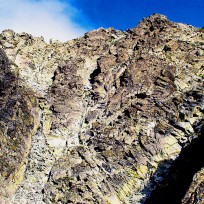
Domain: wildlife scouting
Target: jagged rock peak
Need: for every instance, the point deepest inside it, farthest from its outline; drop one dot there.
(102, 118)
(155, 18)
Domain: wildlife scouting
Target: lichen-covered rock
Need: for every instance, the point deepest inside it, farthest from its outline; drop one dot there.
(19, 119)
(195, 193)
(109, 108)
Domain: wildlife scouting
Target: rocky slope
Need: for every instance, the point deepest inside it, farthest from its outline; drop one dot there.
(195, 192)
(103, 118)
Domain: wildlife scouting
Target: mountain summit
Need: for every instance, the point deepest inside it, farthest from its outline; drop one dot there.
(111, 117)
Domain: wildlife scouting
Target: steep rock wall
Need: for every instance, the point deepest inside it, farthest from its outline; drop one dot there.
(106, 112)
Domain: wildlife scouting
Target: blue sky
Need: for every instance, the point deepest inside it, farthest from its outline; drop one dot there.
(67, 19)
(123, 14)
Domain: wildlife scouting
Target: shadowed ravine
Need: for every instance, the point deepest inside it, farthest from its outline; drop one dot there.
(173, 188)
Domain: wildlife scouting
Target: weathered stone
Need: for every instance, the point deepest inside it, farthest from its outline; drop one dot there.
(100, 115)
(195, 194)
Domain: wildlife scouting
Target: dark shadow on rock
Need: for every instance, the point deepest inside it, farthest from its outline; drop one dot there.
(17, 124)
(156, 179)
(176, 182)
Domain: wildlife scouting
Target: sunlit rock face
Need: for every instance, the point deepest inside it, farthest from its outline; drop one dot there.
(99, 119)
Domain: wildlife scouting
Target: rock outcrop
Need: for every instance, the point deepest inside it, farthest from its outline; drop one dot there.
(102, 118)
(195, 193)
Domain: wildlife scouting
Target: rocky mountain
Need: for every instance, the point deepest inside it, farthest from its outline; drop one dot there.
(112, 117)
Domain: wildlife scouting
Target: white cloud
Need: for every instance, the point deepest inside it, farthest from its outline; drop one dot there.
(47, 18)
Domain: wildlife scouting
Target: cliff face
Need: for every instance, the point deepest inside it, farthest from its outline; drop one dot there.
(195, 193)
(102, 118)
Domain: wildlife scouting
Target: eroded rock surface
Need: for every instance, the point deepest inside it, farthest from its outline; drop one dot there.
(19, 119)
(195, 193)
(98, 115)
